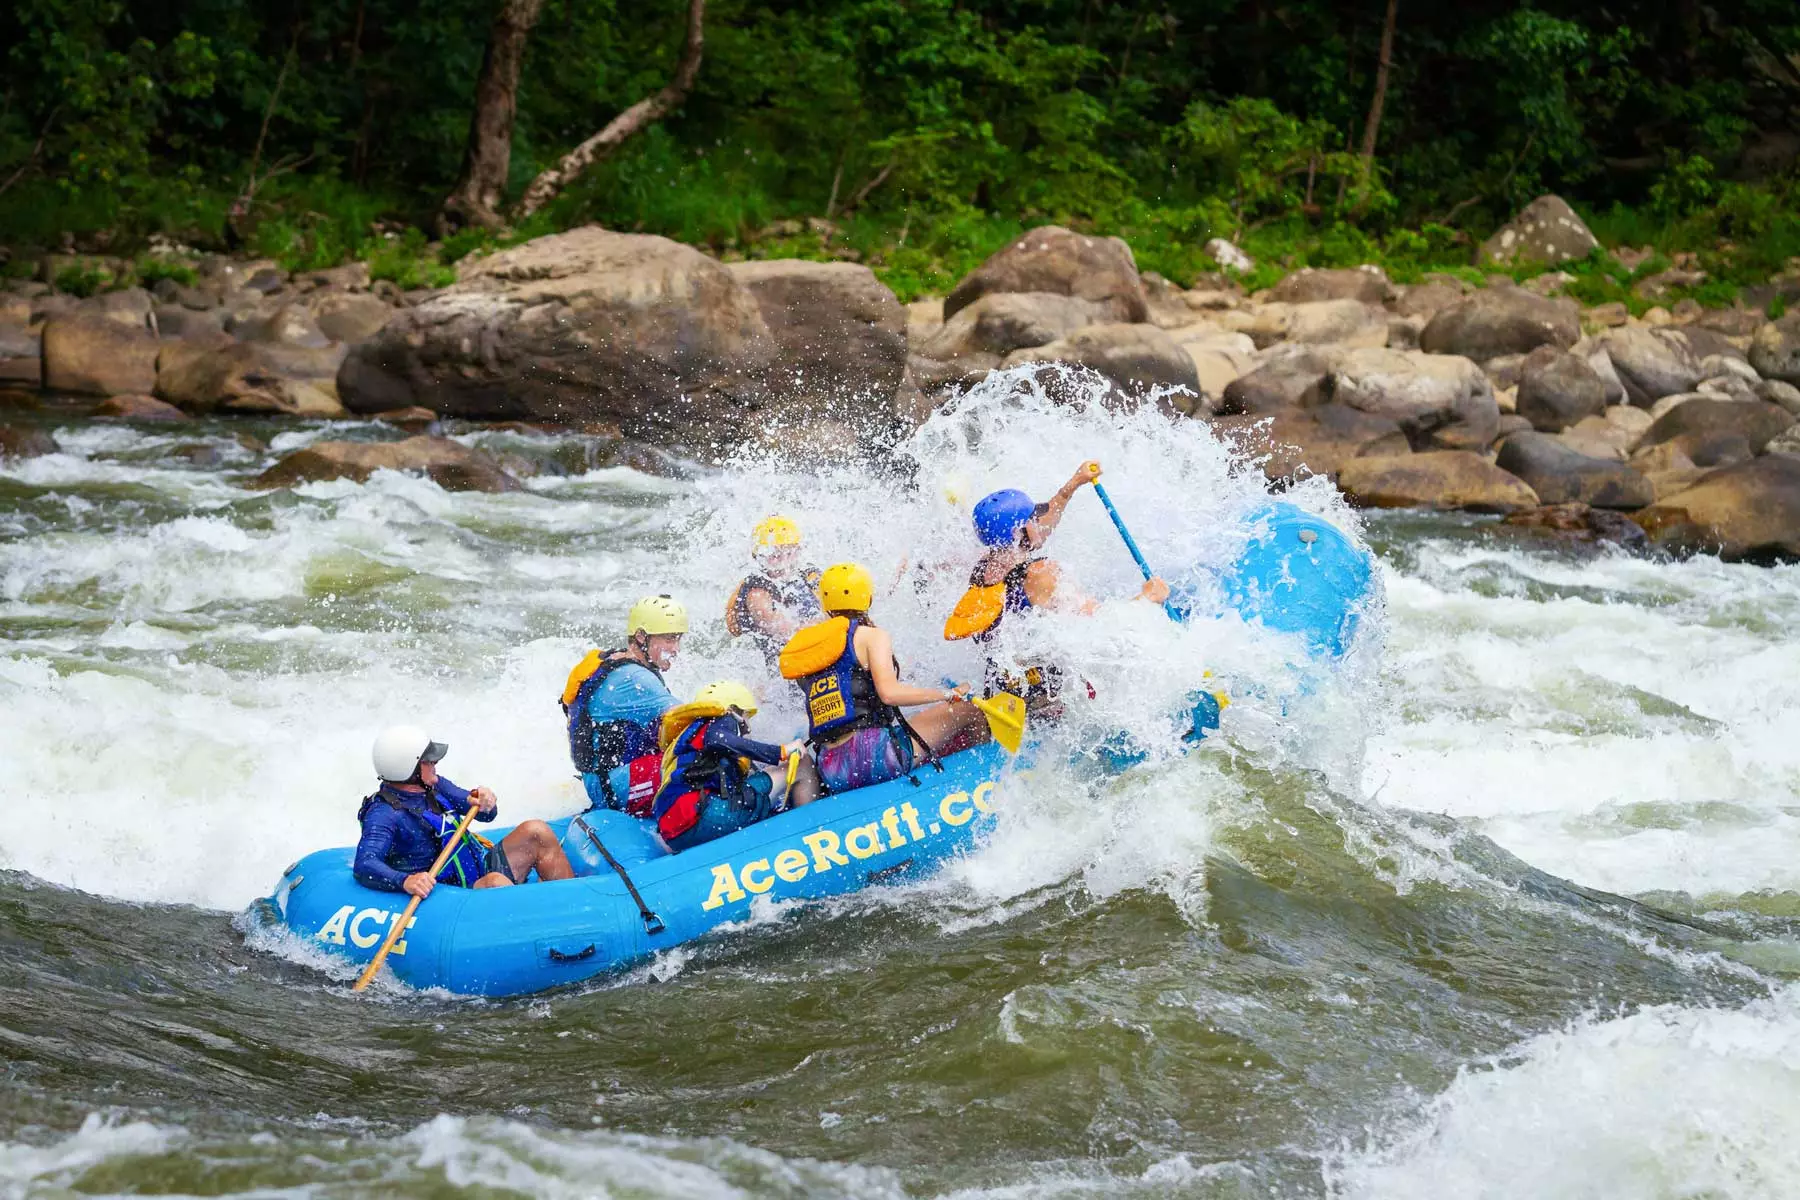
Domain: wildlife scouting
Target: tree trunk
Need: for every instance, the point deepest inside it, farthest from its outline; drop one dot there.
(476, 198)
(1381, 82)
(644, 113)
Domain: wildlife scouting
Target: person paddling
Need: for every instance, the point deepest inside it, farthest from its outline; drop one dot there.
(613, 702)
(779, 596)
(1012, 577)
(406, 822)
(711, 786)
(849, 681)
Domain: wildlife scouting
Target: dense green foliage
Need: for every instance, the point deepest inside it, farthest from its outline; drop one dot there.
(943, 126)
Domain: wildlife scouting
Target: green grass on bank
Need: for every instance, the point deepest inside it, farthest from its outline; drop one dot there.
(1747, 234)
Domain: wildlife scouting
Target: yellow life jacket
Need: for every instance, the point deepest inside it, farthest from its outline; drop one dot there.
(840, 692)
(978, 613)
(814, 648)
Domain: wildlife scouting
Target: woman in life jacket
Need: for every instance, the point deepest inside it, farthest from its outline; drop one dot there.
(415, 811)
(849, 681)
(1012, 577)
(613, 704)
(779, 595)
(710, 782)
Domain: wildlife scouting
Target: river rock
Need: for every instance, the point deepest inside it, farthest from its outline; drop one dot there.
(1002, 322)
(129, 307)
(1557, 389)
(1053, 259)
(451, 465)
(1504, 372)
(25, 441)
(1367, 284)
(1545, 231)
(174, 323)
(1726, 387)
(1311, 441)
(1501, 321)
(1775, 350)
(1575, 522)
(1426, 299)
(1287, 376)
(1219, 358)
(284, 323)
(1777, 392)
(1321, 322)
(245, 377)
(1652, 363)
(1612, 434)
(1136, 357)
(1705, 417)
(1560, 475)
(1441, 401)
(90, 353)
(351, 277)
(840, 337)
(587, 325)
(345, 316)
(1437, 479)
(1747, 512)
(21, 353)
(139, 408)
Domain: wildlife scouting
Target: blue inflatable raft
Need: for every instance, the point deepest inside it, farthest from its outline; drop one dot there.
(632, 899)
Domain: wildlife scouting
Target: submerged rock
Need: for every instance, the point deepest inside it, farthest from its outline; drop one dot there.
(1578, 523)
(25, 441)
(139, 408)
(451, 465)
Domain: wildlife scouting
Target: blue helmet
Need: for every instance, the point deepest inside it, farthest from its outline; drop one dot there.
(1000, 515)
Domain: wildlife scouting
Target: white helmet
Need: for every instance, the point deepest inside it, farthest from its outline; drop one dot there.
(401, 748)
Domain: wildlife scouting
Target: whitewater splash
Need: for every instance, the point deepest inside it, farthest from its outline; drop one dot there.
(191, 707)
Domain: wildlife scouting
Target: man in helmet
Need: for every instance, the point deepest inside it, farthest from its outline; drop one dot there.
(778, 596)
(415, 811)
(850, 683)
(710, 784)
(614, 701)
(1012, 577)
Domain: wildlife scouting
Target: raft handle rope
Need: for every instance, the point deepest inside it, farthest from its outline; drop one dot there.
(558, 956)
(652, 923)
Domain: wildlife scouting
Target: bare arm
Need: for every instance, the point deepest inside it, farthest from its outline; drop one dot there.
(1041, 580)
(766, 616)
(875, 650)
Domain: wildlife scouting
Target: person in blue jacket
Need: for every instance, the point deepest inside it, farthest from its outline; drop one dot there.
(613, 703)
(415, 811)
(711, 784)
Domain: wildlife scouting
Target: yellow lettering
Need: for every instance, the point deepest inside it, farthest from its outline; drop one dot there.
(333, 931)
(981, 796)
(357, 936)
(910, 815)
(890, 821)
(864, 841)
(761, 884)
(824, 845)
(399, 950)
(791, 865)
(725, 887)
(956, 809)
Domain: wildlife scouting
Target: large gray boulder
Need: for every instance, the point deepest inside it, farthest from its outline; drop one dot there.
(1546, 231)
(1135, 357)
(1440, 401)
(21, 352)
(1287, 376)
(1757, 422)
(583, 326)
(1560, 475)
(1499, 321)
(1652, 363)
(1317, 322)
(1775, 350)
(1053, 259)
(94, 354)
(1439, 479)
(1556, 390)
(1002, 322)
(1367, 284)
(840, 337)
(1311, 441)
(221, 375)
(1748, 512)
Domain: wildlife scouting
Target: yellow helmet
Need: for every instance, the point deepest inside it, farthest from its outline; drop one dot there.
(773, 532)
(654, 615)
(846, 587)
(728, 693)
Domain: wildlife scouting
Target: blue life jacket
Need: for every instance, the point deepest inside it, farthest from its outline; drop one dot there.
(839, 692)
(421, 824)
(692, 777)
(598, 747)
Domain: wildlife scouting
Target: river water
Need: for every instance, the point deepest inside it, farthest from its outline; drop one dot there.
(1505, 906)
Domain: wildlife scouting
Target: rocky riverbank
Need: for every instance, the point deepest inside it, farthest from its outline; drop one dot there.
(1505, 398)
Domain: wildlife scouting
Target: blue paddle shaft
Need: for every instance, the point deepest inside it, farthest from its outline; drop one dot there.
(1131, 544)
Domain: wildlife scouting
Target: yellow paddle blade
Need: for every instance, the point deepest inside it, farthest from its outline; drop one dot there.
(793, 770)
(1005, 715)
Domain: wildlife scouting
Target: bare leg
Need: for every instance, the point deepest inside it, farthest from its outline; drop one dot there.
(806, 783)
(533, 845)
(493, 879)
(944, 724)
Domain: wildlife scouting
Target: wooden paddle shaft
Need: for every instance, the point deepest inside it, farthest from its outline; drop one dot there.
(399, 926)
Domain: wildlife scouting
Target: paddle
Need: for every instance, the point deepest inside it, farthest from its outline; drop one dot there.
(398, 927)
(793, 772)
(1005, 715)
(1175, 614)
